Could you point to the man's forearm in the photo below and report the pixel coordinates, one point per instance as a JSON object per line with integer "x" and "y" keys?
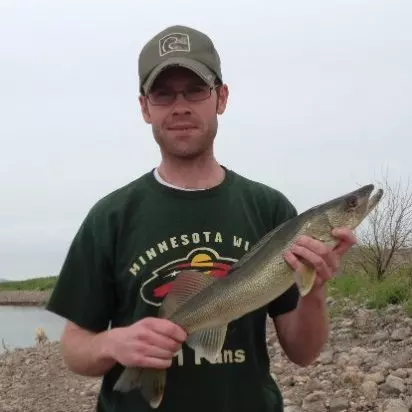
{"x": 303, "y": 332}
{"x": 87, "y": 353}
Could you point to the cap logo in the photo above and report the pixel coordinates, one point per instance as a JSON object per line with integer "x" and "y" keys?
{"x": 174, "y": 42}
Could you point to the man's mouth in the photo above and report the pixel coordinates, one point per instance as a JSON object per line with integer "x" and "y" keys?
{"x": 181, "y": 127}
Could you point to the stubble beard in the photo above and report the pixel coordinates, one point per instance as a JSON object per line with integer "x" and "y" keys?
{"x": 193, "y": 148}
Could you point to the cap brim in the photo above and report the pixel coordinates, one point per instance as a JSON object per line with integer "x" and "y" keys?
{"x": 200, "y": 69}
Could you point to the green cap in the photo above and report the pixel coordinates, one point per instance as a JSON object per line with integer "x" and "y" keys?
{"x": 178, "y": 46}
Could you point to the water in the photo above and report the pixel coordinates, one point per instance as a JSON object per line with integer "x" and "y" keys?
{"x": 18, "y": 325}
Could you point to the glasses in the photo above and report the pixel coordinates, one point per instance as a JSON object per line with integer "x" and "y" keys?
{"x": 165, "y": 97}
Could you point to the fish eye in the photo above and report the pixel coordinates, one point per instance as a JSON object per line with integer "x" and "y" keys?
{"x": 352, "y": 201}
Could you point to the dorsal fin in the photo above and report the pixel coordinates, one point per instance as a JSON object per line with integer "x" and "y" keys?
{"x": 187, "y": 284}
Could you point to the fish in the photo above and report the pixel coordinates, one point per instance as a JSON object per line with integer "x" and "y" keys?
{"x": 204, "y": 305}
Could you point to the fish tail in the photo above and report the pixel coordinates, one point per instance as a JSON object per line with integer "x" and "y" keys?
{"x": 151, "y": 383}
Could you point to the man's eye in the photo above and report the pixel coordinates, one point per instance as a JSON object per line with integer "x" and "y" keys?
{"x": 197, "y": 89}
{"x": 162, "y": 93}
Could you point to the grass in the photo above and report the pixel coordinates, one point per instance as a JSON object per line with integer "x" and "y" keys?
{"x": 395, "y": 289}
{"x": 36, "y": 284}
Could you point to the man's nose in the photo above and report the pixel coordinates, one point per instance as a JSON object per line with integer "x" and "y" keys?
{"x": 181, "y": 105}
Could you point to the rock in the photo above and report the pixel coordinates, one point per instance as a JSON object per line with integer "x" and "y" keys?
{"x": 400, "y": 334}
{"x": 363, "y": 318}
{"x": 352, "y": 375}
{"x": 376, "y": 377}
{"x": 288, "y": 381}
{"x": 382, "y": 335}
{"x": 314, "y": 402}
{"x": 312, "y": 385}
{"x": 395, "y": 405}
{"x": 338, "y": 404}
{"x": 347, "y": 323}
{"x": 408, "y": 402}
{"x": 400, "y": 373}
{"x": 343, "y": 393}
{"x": 393, "y": 385}
{"x": 326, "y": 358}
{"x": 344, "y": 334}
{"x": 402, "y": 359}
{"x": 293, "y": 408}
{"x": 370, "y": 390}
{"x": 361, "y": 352}
{"x": 316, "y": 406}
{"x": 315, "y": 396}
{"x": 385, "y": 365}
{"x": 343, "y": 359}
{"x": 327, "y": 384}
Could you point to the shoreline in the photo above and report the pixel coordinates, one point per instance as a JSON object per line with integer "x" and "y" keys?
{"x": 24, "y": 298}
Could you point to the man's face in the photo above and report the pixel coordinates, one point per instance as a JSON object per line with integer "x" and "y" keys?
{"x": 182, "y": 128}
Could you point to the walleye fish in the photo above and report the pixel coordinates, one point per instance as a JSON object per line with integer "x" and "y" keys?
{"x": 204, "y": 306}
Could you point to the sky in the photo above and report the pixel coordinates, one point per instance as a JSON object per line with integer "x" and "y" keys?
{"x": 320, "y": 102}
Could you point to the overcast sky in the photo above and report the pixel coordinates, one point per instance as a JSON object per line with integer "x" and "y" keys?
{"x": 320, "y": 102}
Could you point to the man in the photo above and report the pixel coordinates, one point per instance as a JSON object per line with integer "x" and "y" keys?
{"x": 192, "y": 212}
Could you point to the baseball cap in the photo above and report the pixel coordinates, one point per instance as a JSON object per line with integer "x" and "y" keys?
{"x": 179, "y": 46}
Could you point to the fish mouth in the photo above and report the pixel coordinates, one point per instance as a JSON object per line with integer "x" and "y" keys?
{"x": 374, "y": 200}
{"x": 365, "y": 191}
{"x": 364, "y": 197}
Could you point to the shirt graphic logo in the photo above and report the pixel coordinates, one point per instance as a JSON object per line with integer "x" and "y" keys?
{"x": 205, "y": 260}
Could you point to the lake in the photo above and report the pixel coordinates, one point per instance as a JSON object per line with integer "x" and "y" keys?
{"x": 18, "y": 325}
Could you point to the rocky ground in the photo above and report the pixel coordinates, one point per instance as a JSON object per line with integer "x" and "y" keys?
{"x": 366, "y": 366}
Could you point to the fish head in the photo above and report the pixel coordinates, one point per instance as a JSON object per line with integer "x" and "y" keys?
{"x": 347, "y": 211}
{"x": 351, "y": 209}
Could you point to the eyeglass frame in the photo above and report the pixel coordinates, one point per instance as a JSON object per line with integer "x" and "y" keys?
{"x": 183, "y": 93}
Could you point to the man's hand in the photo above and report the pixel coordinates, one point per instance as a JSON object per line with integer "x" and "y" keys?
{"x": 303, "y": 331}
{"x": 148, "y": 343}
{"x": 324, "y": 259}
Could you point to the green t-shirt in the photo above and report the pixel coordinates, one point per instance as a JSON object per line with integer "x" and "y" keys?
{"x": 128, "y": 250}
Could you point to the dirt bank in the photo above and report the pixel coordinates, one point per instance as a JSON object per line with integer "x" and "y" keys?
{"x": 366, "y": 366}
{"x": 24, "y": 298}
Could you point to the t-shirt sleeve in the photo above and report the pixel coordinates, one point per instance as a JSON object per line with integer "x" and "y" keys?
{"x": 84, "y": 291}
{"x": 288, "y": 300}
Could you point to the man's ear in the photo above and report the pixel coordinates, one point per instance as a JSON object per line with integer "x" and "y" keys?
{"x": 222, "y": 97}
{"x": 144, "y": 108}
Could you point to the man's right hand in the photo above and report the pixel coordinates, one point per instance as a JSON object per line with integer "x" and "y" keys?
{"x": 148, "y": 343}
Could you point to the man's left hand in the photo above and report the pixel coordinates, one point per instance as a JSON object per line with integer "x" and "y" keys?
{"x": 323, "y": 258}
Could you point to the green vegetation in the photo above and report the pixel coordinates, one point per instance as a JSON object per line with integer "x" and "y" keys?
{"x": 37, "y": 284}
{"x": 394, "y": 289}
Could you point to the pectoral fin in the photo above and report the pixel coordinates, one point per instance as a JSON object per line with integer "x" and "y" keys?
{"x": 305, "y": 279}
{"x": 208, "y": 343}
{"x": 186, "y": 285}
